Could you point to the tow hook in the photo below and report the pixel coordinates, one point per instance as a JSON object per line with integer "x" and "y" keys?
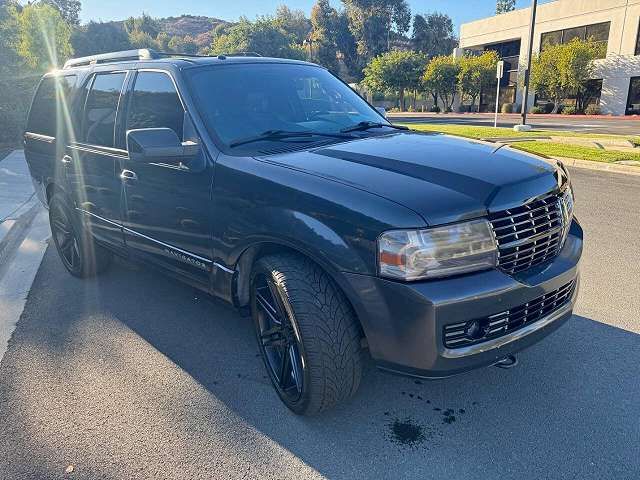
{"x": 507, "y": 362}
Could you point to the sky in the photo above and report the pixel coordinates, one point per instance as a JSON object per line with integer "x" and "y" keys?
{"x": 460, "y": 11}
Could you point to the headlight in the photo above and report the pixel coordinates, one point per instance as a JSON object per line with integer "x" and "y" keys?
{"x": 437, "y": 252}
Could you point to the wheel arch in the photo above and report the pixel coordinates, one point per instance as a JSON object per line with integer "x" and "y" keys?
{"x": 251, "y": 254}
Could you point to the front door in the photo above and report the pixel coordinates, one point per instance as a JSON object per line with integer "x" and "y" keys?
{"x": 92, "y": 161}
{"x": 166, "y": 208}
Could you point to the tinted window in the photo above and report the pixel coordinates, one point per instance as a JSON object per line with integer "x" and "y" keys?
{"x": 598, "y": 32}
{"x": 155, "y": 103}
{"x": 101, "y": 107}
{"x": 52, "y": 101}
{"x": 551, "y": 38}
{"x": 239, "y": 101}
{"x": 633, "y": 102}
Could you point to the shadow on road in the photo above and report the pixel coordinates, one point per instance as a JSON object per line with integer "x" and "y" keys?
{"x": 568, "y": 411}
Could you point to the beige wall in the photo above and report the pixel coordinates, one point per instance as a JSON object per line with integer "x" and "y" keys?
{"x": 615, "y": 70}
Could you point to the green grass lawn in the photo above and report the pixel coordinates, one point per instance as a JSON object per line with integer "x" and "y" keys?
{"x": 490, "y": 132}
{"x": 550, "y": 149}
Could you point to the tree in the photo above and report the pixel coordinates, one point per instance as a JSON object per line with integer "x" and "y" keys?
{"x": 145, "y": 24}
{"x": 185, "y": 44}
{"x": 504, "y": 6}
{"x": 477, "y": 72}
{"x": 99, "y": 37}
{"x": 563, "y": 70}
{"x": 265, "y": 36}
{"x": 396, "y": 72}
{"x": 44, "y": 38}
{"x": 141, "y": 39}
{"x": 440, "y": 79}
{"x": 433, "y": 34}
{"x": 348, "y": 47}
{"x": 324, "y": 47}
{"x": 294, "y": 22}
{"x": 373, "y": 22}
{"x": 69, "y": 9}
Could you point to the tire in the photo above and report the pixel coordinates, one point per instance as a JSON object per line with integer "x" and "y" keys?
{"x": 79, "y": 253}
{"x": 317, "y": 324}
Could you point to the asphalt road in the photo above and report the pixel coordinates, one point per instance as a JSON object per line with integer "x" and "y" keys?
{"x": 618, "y": 125}
{"x": 132, "y": 375}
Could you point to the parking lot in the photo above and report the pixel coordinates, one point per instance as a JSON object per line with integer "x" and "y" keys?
{"x": 132, "y": 375}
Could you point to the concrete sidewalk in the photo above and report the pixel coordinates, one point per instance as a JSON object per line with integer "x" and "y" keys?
{"x": 24, "y": 234}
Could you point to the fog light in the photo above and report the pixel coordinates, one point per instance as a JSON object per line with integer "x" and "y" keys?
{"x": 474, "y": 330}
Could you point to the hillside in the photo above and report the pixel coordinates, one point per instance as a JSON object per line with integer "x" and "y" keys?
{"x": 188, "y": 25}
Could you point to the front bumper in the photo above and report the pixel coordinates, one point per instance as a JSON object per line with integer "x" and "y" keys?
{"x": 404, "y": 322}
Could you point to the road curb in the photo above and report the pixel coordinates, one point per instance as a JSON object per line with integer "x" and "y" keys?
{"x": 13, "y": 229}
{"x": 601, "y": 166}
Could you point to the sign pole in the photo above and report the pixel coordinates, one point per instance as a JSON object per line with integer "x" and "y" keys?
{"x": 525, "y": 91}
{"x": 499, "y": 73}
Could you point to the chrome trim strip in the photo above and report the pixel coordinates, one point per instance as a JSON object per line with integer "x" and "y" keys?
{"x": 133, "y": 232}
{"x": 99, "y": 217}
{"x": 40, "y": 137}
{"x": 223, "y": 268}
{"x": 511, "y": 337}
{"x": 184, "y": 252}
{"x": 111, "y": 152}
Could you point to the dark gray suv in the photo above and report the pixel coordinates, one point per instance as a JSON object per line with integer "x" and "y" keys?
{"x": 271, "y": 184}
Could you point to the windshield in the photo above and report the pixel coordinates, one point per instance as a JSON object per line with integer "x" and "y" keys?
{"x": 246, "y": 100}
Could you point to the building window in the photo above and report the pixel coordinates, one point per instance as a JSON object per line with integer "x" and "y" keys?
{"x": 633, "y": 101}
{"x": 598, "y": 32}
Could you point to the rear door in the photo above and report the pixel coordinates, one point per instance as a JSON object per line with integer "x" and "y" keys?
{"x": 166, "y": 209}
{"x": 45, "y": 135}
{"x": 93, "y": 160}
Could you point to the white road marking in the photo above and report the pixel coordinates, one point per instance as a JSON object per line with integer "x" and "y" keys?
{"x": 19, "y": 275}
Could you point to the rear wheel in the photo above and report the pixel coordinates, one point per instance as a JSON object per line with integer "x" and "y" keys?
{"x": 80, "y": 255}
{"x": 307, "y": 332}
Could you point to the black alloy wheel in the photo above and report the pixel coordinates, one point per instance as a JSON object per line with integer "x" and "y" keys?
{"x": 279, "y": 340}
{"x": 65, "y": 238}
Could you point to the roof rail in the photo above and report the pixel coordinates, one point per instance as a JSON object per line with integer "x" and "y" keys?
{"x": 140, "y": 54}
{"x": 239, "y": 54}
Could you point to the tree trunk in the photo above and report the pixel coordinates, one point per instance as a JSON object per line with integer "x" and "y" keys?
{"x": 401, "y": 99}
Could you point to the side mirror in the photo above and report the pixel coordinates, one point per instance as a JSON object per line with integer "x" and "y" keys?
{"x": 160, "y": 145}
{"x": 382, "y": 111}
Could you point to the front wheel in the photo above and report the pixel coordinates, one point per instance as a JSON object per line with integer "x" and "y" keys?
{"x": 308, "y": 334}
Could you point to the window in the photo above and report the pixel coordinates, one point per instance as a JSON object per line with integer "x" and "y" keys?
{"x": 598, "y": 32}
{"x": 52, "y": 97}
{"x": 101, "y": 108}
{"x": 241, "y": 101}
{"x": 155, "y": 104}
{"x": 633, "y": 101}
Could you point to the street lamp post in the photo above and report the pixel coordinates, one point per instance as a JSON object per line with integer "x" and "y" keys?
{"x": 525, "y": 91}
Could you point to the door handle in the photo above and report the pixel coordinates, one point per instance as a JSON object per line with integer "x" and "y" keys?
{"x": 128, "y": 175}
{"x": 66, "y": 159}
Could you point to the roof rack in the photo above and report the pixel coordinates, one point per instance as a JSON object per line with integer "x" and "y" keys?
{"x": 126, "y": 55}
{"x": 141, "y": 54}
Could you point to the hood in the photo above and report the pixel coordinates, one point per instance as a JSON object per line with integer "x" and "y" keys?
{"x": 442, "y": 178}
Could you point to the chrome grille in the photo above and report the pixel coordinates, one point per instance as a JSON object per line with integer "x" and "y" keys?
{"x": 465, "y": 333}
{"x": 529, "y": 234}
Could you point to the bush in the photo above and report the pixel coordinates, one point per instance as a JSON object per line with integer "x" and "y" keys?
{"x": 592, "y": 110}
{"x": 448, "y": 110}
{"x": 435, "y": 109}
{"x": 462, "y": 108}
{"x": 569, "y": 110}
{"x": 507, "y": 108}
{"x": 537, "y": 109}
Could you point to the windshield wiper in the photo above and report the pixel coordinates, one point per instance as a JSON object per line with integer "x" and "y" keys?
{"x": 367, "y": 125}
{"x": 283, "y": 134}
